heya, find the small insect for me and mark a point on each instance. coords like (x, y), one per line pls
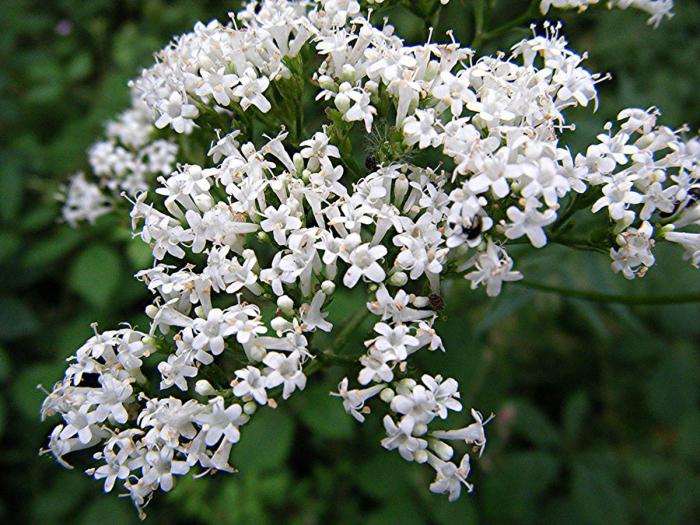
(371, 163)
(475, 229)
(436, 301)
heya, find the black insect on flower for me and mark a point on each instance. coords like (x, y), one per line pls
(474, 230)
(436, 301)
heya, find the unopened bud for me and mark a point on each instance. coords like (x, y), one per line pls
(250, 407)
(348, 73)
(342, 102)
(442, 449)
(328, 287)
(278, 324)
(151, 310)
(420, 429)
(387, 395)
(285, 304)
(420, 456)
(298, 161)
(421, 302)
(204, 388)
(326, 82)
(398, 279)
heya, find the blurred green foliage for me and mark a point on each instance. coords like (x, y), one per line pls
(597, 404)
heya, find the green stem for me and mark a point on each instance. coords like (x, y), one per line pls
(479, 23)
(527, 16)
(328, 355)
(599, 297)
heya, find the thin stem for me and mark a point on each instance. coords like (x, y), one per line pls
(479, 23)
(599, 297)
(516, 22)
(328, 354)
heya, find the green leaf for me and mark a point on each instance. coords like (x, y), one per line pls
(511, 493)
(323, 414)
(5, 365)
(11, 189)
(575, 411)
(598, 499)
(16, 319)
(52, 248)
(265, 441)
(139, 253)
(672, 391)
(9, 245)
(95, 274)
(532, 424)
(115, 511)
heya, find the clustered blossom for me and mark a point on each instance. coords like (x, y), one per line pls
(277, 222)
(125, 162)
(657, 10)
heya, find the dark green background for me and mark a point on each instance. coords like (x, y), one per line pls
(597, 404)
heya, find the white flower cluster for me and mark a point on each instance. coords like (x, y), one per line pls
(252, 241)
(645, 170)
(658, 10)
(126, 162)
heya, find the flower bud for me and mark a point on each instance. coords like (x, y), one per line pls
(204, 388)
(420, 429)
(278, 324)
(342, 102)
(408, 383)
(298, 161)
(400, 188)
(255, 353)
(263, 236)
(420, 456)
(442, 449)
(326, 82)
(387, 395)
(250, 407)
(285, 304)
(398, 279)
(420, 302)
(151, 310)
(328, 287)
(348, 73)
(199, 311)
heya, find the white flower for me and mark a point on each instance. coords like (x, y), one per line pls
(176, 112)
(493, 267)
(284, 371)
(221, 421)
(313, 317)
(218, 84)
(251, 89)
(399, 437)
(251, 383)
(363, 262)
(279, 221)
(210, 332)
(354, 400)
(449, 477)
(530, 222)
(690, 243)
(420, 129)
(393, 342)
(634, 256)
(618, 194)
